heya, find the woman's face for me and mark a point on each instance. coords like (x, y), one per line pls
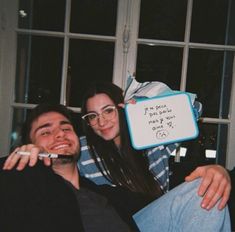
(106, 127)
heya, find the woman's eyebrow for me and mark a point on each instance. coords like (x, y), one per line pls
(107, 106)
(102, 108)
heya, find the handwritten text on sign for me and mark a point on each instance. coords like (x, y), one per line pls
(161, 120)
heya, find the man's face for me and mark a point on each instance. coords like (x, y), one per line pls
(54, 134)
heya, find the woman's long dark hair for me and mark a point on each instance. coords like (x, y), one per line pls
(124, 165)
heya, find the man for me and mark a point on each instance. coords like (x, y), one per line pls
(45, 199)
(57, 199)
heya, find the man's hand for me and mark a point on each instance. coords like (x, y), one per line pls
(215, 185)
(21, 161)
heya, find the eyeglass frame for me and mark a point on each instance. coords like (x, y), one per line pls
(98, 115)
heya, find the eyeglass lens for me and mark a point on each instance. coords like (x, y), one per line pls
(107, 114)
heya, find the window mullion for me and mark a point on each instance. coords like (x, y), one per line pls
(126, 34)
(8, 12)
(230, 160)
(186, 47)
(63, 99)
(118, 56)
(134, 11)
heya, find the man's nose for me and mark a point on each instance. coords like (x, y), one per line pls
(59, 133)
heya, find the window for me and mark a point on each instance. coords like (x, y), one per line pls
(189, 45)
(53, 49)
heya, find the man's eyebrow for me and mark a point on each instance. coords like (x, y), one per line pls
(63, 122)
(41, 127)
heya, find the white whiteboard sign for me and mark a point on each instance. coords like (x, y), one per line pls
(161, 120)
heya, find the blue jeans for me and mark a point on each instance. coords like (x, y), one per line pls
(179, 210)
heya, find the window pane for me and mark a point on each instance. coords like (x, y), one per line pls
(162, 64)
(163, 20)
(39, 64)
(209, 147)
(94, 17)
(213, 21)
(210, 77)
(42, 14)
(19, 116)
(88, 61)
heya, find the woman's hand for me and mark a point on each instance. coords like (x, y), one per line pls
(20, 161)
(215, 185)
(131, 101)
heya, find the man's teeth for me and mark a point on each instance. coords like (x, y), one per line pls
(61, 146)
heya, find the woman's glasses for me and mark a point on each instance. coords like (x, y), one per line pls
(108, 113)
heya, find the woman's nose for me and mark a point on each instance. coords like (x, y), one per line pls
(101, 120)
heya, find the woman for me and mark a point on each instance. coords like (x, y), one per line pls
(109, 145)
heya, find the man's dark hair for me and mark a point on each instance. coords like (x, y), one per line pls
(38, 111)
